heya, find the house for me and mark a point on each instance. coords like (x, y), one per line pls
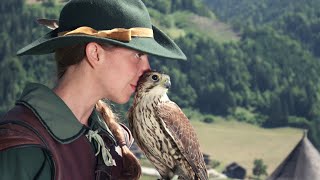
(302, 163)
(235, 171)
(206, 158)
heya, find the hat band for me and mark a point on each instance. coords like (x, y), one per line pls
(120, 34)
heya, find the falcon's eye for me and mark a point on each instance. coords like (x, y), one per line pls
(155, 77)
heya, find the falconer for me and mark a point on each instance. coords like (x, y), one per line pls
(65, 132)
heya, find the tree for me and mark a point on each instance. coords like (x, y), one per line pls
(315, 133)
(12, 79)
(259, 168)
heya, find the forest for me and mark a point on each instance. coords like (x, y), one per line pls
(267, 74)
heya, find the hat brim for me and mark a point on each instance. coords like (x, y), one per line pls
(161, 45)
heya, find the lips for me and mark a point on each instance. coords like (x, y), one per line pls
(134, 83)
(134, 87)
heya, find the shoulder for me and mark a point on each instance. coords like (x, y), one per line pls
(22, 150)
(18, 133)
(25, 163)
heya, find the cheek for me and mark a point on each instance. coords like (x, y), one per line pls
(125, 77)
(124, 73)
(132, 70)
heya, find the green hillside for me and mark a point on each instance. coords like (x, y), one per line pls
(297, 19)
(297, 24)
(180, 23)
(266, 74)
(232, 141)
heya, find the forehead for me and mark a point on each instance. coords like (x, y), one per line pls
(120, 50)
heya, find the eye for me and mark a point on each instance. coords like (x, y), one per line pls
(138, 55)
(155, 77)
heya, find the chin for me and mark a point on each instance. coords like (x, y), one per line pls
(121, 98)
(122, 101)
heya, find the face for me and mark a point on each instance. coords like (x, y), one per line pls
(122, 70)
(153, 83)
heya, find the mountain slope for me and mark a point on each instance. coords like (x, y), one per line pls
(297, 19)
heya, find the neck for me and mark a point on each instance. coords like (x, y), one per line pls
(78, 93)
(148, 98)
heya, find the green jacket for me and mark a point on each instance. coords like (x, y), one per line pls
(32, 162)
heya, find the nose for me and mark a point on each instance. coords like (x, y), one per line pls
(144, 64)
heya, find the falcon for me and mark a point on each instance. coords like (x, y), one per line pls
(163, 132)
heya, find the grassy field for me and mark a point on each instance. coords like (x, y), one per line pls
(230, 142)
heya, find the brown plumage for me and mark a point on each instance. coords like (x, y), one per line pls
(163, 132)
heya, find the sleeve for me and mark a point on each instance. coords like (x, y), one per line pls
(25, 163)
(128, 136)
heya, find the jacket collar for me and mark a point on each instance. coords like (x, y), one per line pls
(55, 115)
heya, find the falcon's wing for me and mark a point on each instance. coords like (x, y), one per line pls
(184, 136)
(130, 121)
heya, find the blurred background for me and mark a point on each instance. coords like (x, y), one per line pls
(250, 87)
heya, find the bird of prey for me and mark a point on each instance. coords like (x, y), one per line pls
(163, 132)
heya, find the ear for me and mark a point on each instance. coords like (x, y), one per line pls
(93, 51)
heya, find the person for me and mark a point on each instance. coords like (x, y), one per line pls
(66, 132)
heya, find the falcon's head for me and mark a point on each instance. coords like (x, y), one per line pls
(153, 82)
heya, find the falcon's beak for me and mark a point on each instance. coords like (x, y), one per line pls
(167, 82)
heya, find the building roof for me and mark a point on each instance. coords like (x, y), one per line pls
(302, 163)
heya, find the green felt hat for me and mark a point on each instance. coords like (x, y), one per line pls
(97, 19)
